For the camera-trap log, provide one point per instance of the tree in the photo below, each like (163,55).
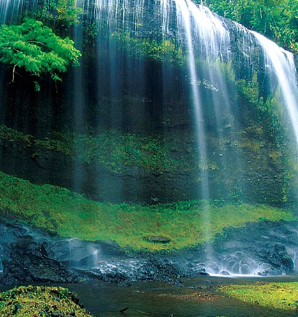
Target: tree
(276,19)
(36,49)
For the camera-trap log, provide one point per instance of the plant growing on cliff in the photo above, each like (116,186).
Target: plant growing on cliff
(65,12)
(151,48)
(36,49)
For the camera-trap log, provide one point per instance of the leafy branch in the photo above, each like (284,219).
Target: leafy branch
(36,49)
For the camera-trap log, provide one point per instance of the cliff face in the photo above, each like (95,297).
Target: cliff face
(123,126)
(170,104)
(149,169)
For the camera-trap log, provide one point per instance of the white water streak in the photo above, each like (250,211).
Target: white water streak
(9,5)
(128,11)
(282,62)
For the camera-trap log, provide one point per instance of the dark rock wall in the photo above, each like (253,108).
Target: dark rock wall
(118,88)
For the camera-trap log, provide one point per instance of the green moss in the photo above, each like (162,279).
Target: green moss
(60,211)
(11,135)
(274,295)
(40,301)
(176,154)
(116,151)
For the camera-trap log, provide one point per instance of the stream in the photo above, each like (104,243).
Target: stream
(191,297)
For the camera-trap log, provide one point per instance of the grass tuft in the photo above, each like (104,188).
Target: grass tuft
(273,295)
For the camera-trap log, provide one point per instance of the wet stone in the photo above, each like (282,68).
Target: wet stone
(157,239)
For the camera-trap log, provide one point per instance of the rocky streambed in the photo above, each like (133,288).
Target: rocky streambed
(260,249)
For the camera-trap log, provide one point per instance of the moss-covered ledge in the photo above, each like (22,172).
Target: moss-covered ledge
(68,214)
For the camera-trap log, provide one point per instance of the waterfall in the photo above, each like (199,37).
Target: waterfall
(78,103)
(152,68)
(281,69)
(3,9)
(8,9)
(184,19)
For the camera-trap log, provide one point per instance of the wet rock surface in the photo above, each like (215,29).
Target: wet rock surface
(28,261)
(157,239)
(265,248)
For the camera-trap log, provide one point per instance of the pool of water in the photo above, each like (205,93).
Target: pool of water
(191,297)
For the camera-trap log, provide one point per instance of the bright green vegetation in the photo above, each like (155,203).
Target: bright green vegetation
(65,12)
(58,210)
(274,295)
(36,49)
(268,111)
(165,50)
(36,301)
(277,19)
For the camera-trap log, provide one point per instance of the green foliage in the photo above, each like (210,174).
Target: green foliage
(63,12)
(40,301)
(36,49)
(69,214)
(286,25)
(91,29)
(276,19)
(158,50)
(225,69)
(250,90)
(67,11)
(269,112)
(274,295)
(15,136)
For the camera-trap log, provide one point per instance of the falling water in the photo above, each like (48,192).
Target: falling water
(78,102)
(3,9)
(81,254)
(282,70)
(134,87)
(199,22)
(184,18)
(8,8)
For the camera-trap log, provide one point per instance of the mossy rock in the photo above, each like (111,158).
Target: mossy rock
(157,239)
(40,301)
